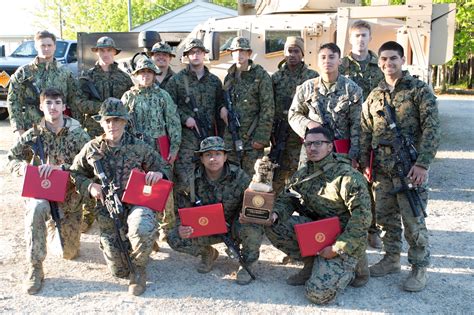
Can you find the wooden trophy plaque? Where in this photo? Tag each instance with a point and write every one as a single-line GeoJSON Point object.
{"type": "Point", "coordinates": [257, 207]}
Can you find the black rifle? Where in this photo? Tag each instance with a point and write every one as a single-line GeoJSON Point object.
{"type": "Point", "coordinates": [90, 89]}
{"type": "Point", "coordinates": [279, 136]}
{"type": "Point", "coordinates": [33, 101]}
{"type": "Point", "coordinates": [203, 124]}
{"type": "Point", "coordinates": [328, 124]}
{"type": "Point", "coordinates": [117, 213]}
{"type": "Point", "coordinates": [234, 124]}
{"type": "Point", "coordinates": [405, 155]}
{"type": "Point", "coordinates": [38, 150]}
{"type": "Point", "coordinates": [233, 249]}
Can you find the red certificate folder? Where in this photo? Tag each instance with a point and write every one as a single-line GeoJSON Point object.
{"type": "Point", "coordinates": [205, 220]}
{"type": "Point", "coordinates": [163, 143]}
{"type": "Point", "coordinates": [139, 194]}
{"type": "Point", "coordinates": [52, 188]}
{"type": "Point", "coordinates": [342, 145]}
{"type": "Point", "coordinates": [314, 236]}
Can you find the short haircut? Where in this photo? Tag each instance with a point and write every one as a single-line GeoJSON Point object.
{"type": "Point", "coordinates": [391, 45]}
{"type": "Point", "coordinates": [332, 47]}
{"type": "Point", "coordinates": [360, 24]}
{"type": "Point", "coordinates": [51, 93]}
{"type": "Point", "coordinates": [45, 34]}
{"type": "Point", "coordinates": [324, 131]}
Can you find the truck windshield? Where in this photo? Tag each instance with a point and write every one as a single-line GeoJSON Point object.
{"type": "Point", "coordinates": [27, 49]}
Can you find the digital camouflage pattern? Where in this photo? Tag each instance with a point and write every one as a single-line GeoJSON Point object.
{"type": "Point", "coordinates": [284, 88]}
{"type": "Point", "coordinates": [239, 43]}
{"type": "Point", "coordinates": [417, 118]}
{"type": "Point", "coordinates": [228, 190]}
{"type": "Point", "coordinates": [164, 83]}
{"type": "Point", "coordinates": [342, 103]}
{"type": "Point", "coordinates": [162, 47]}
{"type": "Point", "coordinates": [194, 43]}
{"type": "Point", "coordinates": [366, 74]}
{"type": "Point", "coordinates": [59, 149]}
{"type": "Point", "coordinates": [118, 163]}
{"type": "Point", "coordinates": [113, 83]}
{"type": "Point", "coordinates": [153, 115]}
{"type": "Point", "coordinates": [252, 96]}
{"type": "Point", "coordinates": [212, 144]}
{"type": "Point", "coordinates": [208, 94]}
{"type": "Point", "coordinates": [106, 42]}
{"type": "Point", "coordinates": [22, 101]}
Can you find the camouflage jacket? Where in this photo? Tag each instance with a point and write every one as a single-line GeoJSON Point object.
{"type": "Point", "coordinates": [59, 149]}
{"type": "Point", "coordinates": [228, 189]}
{"type": "Point", "coordinates": [207, 92]}
{"type": "Point", "coordinates": [112, 83]}
{"type": "Point", "coordinates": [118, 162]}
{"type": "Point", "coordinates": [153, 114]}
{"type": "Point", "coordinates": [367, 76]}
{"type": "Point", "coordinates": [252, 97]}
{"type": "Point", "coordinates": [23, 101]}
{"type": "Point", "coordinates": [166, 79]}
{"type": "Point", "coordinates": [341, 104]}
{"type": "Point", "coordinates": [417, 118]}
{"type": "Point", "coordinates": [338, 190]}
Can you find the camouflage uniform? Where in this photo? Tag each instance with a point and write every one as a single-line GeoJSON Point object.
{"type": "Point", "coordinates": [23, 103]}
{"type": "Point", "coordinates": [59, 149]}
{"type": "Point", "coordinates": [416, 114]}
{"type": "Point", "coordinates": [284, 88]}
{"type": "Point", "coordinates": [118, 162]}
{"type": "Point", "coordinates": [341, 104]}
{"type": "Point", "coordinates": [228, 190]}
{"type": "Point", "coordinates": [164, 48]}
{"type": "Point", "coordinates": [341, 191]}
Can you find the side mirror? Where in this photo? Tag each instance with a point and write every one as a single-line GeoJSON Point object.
{"type": "Point", "coordinates": [211, 42]}
{"type": "Point", "coordinates": [2, 51]}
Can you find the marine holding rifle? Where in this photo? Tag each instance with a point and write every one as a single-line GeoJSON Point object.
{"type": "Point", "coordinates": [400, 123]}
{"type": "Point", "coordinates": [216, 180]}
{"type": "Point", "coordinates": [127, 232]}
{"type": "Point", "coordinates": [56, 141]}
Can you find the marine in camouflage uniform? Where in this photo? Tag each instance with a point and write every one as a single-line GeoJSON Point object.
{"type": "Point", "coordinates": [252, 96]}
{"type": "Point", "coordinates": [60, 147]}
{"type": "Point", "coordinates": [291, 73]}
{"type": "Point", "coordinates": [108, 80]}
{"type": "Point", "coordinates": [206, 88]}
{"type": "Point", "coordinates": [341, 103]}
{"type": "Point", "coordinates": [161, 54]}
{"type": "Point", "coordinates": [326, 186]}
{"type": "Point", "coordinates": [29, 80]}
{"type": "Point", "coordinates": [416, 113]}
{"type": "Point", "coordinates": [120, 152]}
{"type": "Point", "coordinates": [227, 188]}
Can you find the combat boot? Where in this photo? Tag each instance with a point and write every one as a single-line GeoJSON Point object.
{"type": "Point", "coordinates": [243, 277]}
{"type": "Point", "coordinates": [416, 281]}
{"type": "Point", "coordinates": [374, 240]}
{"type": "Point", "coordinates": [34, 279]}
{"type": "Point", "coordinates": [304, 274]}
{"type": "Point", "coordinates": [137, 283]}
{"type": "Point", "coordinates": [362, 272]}
{"type": "Point", "coordinates": [390, 263]}
{"type": "Point", "coordinates": [208, 255]}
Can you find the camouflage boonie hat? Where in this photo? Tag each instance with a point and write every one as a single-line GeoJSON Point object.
{"type": "Point", "coordinates": [110, 108]}
{"type": "Point", "coordinates": [212, 144]}
{"type": "Point", "coordinates": [146, 63]}
{"type": "Point", "coordinates": [106, 42]}
{"type": "Point", "coordinates": [240, 43]}
{"type": "Point", "coordinates": [194, 43]}
{"type": "Point", "coordinates": [163, 48]}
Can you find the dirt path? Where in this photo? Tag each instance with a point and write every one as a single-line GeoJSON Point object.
{"type": "Point", "coordinates": [85, 286]}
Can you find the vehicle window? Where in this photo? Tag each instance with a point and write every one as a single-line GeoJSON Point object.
{"type": "Point", "coordinates": [72, 53]}
{"type": "Point", "coordinates": [60, 49]}
{"type": "Point", "coordinates": [225, 39]}
{"type": "Point", "coordinates": [275, 40]}
{"type": "Point", "coordinates": [27, 49]}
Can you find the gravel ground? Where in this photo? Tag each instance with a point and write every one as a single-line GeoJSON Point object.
{"type": "Point", "coordinates": [85, 286]}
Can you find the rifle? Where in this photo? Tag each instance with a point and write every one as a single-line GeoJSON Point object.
{"type": "Point", "coordinates": [35, 100]}
{"type": "Point", "coordinates": [234, 123]}
{"type": "Point", "coordinates": [203, 124]}
{"type": "Point", "coordinates": [117, 213]}
{"type": "Point", "coordinates": [233, 249]}
{"type": "Point", "coordinates": [279, 136]}
{"type": "Point", "coordinates": [328, 124]}
{"type": "Point", "coordinates": [405, 155]}
{"type": "Point", "coordinates": [90, 89]}
{"type": "Point", "coordinates": [38, 150]}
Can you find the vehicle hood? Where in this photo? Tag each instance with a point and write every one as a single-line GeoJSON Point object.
{"type": "Point", "coordinates": [14, 61]}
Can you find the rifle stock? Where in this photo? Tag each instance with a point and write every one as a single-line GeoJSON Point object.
{"type": "Point", "coordinates": [234, 125]}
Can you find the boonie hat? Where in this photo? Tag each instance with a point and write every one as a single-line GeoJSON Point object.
{"type": "Point", "coordinates": [212, 144]}
{"type": "Point", "coordinates": [240, 43]}
{"type": "Point", "coordinates": [162, 47]}
{"type": "Point", "coordinates": [111, 108]}
{"type": "Point", "coordinates": [106, 42]}
{"type": "Point", "coordinates": [146, 63]}
{"type": "Point", "coordinates": [194, 43]}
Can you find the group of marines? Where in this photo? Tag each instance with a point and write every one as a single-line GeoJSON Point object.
{"type": "Point", "coordinates": [313, 182]}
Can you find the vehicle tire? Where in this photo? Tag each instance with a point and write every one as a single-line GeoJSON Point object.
{"type": "Point", "coordinates": [3, 113]}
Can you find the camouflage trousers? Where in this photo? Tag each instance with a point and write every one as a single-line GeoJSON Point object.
{"type": "Point", "coordinates": [248, 159]}
{"type": "Point", "coordinates": [167, 218]}
{"type": "Point", "coordinates": [391, 211]}
{"type": "Point", "coordinates": [250, 236]}
{"type": "Point", "coordinates": [329, 276]}
{"type": "Point", "coordinates": [142, 232]}
{"type": "Point", "coordinates": [289, 163]}
{"type": "Point", "coordinates": [41, 233]}
{"type": "Point", "coordinates": [184, 164]}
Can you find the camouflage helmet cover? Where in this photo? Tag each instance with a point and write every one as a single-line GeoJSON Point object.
{"type": "Point", "coordinates": [194, 43]}
{"type": "Point", "coordinates": [146, 63]}
{"type": "Point", "coordinates": [212, 144]}
{"type": "Point", "coordinates": [239, 43]}
{"type": "Point", "coordinates": [111, 108]}
{"type": "Point", "coordinates": [162, 47]}
{"type": "Point", "coordinates": [106, 42]}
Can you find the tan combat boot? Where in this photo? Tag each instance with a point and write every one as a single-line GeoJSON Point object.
{"type": "Point", "coordinates": [304, 274]}
{"type": "Point", "coordinates": [390, 263]}
{"type": "Point", "coordinates": [374, 240]}
{"type": "Point", "coordinates": [208, 256]}
{"type": "Point", "coordinates": [34, 279]}
{"type": "Point", "coordinates": [137, 283]}
{"type": "Point", "coordinates": [362, 272]}
{"type": "Point", "coordinates": [243, 277]}
{"type": "Point", "coordinates": [416, 281]}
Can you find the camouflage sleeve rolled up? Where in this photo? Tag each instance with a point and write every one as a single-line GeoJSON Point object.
{"type": "Point", "coordinates": [20, 154]}
{"type": "Point", "coordinates": [82, 173]}
{"type": "Point", "coordinates": [299, 109]}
